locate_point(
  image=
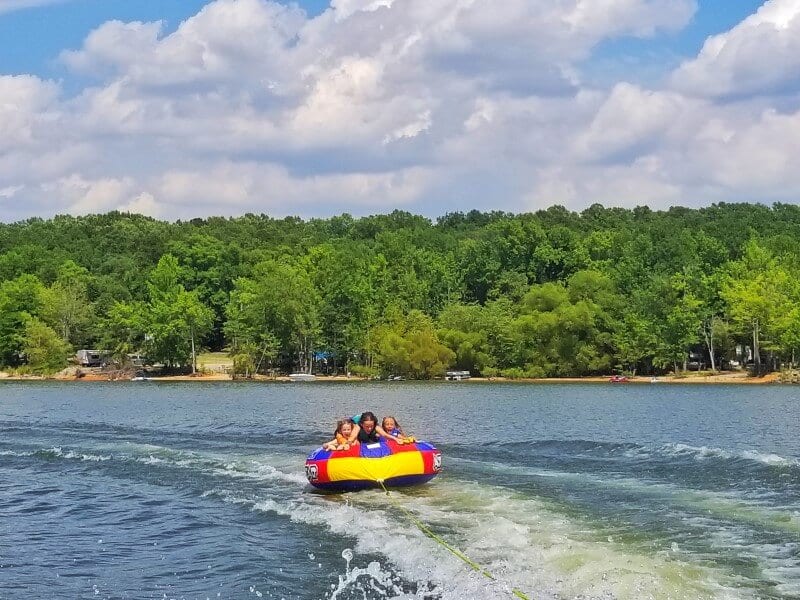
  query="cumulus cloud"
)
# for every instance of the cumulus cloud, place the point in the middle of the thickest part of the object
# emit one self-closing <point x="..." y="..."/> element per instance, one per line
<point x="253" y="106"/>
<point x="644" y="181"/>
<point x="632" y="119"/>
<point x="761" y="55"/>
<point x="83" y="196"/>
<point x="27" y="106"/>
<point x="115" y="46"/>
<point x="271" y="188"/>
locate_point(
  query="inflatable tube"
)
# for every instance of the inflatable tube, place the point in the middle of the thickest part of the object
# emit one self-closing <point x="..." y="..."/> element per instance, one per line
<point x="365" y="465"/>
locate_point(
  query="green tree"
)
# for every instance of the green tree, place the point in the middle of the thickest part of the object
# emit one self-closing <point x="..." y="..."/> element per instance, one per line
<point x="125" y="329"/>
<point x="166" y="327"/>
<point x="634" y="340"/>
<point x="45" y="352"/>
<point x="754" y="291"/>
<point x="278" y="303"/>
<point x="20" y="300"/>
<point x="680" y="325"/>
<point x="408" y="345"/>
<point x="175" y="318"/>
<point x="567" y="330"/>
<point x="463" y="329"/>
<point x="67" y="309"/>
<point x="208" y="266"/>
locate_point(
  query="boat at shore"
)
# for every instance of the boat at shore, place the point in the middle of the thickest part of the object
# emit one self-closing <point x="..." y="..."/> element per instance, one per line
<point x="302" y="377"/>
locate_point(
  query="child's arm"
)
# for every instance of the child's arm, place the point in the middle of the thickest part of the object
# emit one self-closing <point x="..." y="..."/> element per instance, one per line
<point x="383" y="433"/>
<point x="400" y="439"/>
<point x="406" y="439"/>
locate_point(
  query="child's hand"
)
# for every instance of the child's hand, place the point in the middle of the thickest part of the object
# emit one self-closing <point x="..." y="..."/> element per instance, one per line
<point x="346" y="446"/>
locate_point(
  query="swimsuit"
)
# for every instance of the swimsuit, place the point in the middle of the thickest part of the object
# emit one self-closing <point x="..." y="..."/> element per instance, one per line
<point x="368" y="438"/>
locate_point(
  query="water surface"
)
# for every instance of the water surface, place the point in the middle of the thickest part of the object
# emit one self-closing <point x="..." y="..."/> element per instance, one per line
<point x="197" y="490"/>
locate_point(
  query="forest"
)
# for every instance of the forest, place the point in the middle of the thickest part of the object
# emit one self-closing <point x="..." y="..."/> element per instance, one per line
<point x="545" y="294"/>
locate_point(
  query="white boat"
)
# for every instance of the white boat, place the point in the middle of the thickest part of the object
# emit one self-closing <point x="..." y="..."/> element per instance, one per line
<point x="457" y="375"/>
<point x="302" y="377"/>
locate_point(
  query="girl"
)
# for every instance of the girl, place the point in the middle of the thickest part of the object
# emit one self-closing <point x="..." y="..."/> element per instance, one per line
<point x="367" y="430"/>
<point x="344" y="428"/>
<point x="392" y="427"/>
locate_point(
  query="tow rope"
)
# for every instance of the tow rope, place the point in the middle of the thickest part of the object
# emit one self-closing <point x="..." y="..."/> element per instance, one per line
<point x="453" y="550"/>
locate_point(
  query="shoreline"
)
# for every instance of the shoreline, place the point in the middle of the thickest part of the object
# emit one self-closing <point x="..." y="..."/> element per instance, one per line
<point x="729" y="378"/>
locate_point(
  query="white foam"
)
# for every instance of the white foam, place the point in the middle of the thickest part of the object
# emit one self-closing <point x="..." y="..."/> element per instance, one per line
<point x="770" y="459"/>
<point x="57" y="452"/>
<point x="514" y="537"/>
<point x="262" y="468"/>
<point x="88" y="457"/>
<point x="704" y="452"/>
<point x="698" y="452"/>
<point x="13" y="453"/>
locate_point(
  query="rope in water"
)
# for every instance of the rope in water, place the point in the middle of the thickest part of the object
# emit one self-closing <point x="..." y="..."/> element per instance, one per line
<point x="455" y="551"/>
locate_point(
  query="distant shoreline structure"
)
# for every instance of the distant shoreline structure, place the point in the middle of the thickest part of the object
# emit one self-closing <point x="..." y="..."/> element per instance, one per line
<point x="734" y="378"/>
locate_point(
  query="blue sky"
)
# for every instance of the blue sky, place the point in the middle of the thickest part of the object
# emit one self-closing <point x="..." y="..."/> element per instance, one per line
<point x="31" y="38"/>
<point x="195" y="107"/>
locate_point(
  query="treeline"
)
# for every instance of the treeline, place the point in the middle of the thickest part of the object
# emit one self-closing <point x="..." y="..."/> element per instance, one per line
<point x="551" y="293"/>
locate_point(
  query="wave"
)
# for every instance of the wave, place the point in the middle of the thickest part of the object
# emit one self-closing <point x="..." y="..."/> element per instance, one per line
<point x="514" y="537"/>
<point x="529" y="544"/>
<point x="705" y="452"/>
<point x="616" y="450"/>
<point x="272" y="468"/>
<point x="57" y="452"/>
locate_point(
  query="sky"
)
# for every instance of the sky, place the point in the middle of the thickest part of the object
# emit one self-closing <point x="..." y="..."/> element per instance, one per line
<point x="190" y="108"/>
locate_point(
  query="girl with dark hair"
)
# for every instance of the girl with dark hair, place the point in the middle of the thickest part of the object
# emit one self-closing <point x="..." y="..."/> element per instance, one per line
<point x="367" y="430"/>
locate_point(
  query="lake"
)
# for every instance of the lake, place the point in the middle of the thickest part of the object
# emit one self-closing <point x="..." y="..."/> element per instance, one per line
<point x="197" y="490"/>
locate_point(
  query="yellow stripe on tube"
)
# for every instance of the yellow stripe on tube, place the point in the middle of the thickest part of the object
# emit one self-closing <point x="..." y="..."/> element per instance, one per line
<point x="375" y="469"/>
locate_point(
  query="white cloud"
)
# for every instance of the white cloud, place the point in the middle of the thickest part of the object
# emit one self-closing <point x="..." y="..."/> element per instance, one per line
<point x="114" y="45"/>
<point x="85" y="196"/>
<point x="603" y="18"/>
<point x="641" y="183"/>
<point x="27" y="107"/>
<point x="760" y="157"/>
<point x="761" y="55"/>
<point x="143" y="204"/>
<point x="250" y="187"/>
<point x="345" y="8"/>
<point x="631" y="118"/>
<point x="7" y="6"/>
<point x="10" y="191"/>
<point x="253" y="106"/>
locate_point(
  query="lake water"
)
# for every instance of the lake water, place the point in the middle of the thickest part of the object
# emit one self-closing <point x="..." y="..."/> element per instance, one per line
<point x="197" y="490"/>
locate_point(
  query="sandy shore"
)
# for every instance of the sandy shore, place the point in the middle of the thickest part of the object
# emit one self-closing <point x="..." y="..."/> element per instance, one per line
<point x="736" y="377"/>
